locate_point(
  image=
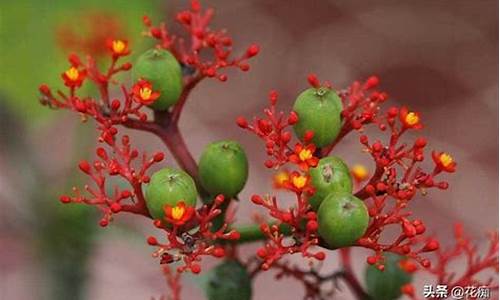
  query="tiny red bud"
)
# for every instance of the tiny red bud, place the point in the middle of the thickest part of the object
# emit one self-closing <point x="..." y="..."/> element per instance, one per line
<point x="195" y="268"/>
<point x="381" y="267"/>
<point x="273" y="97"/>
<point x="103" y="223"/>
<point x="219" y="199"/>
<point x="155" y="32"/>
<point x="115" y="104"/>
<point x="253" y="50"/>
<point x="84" y="166"/>
<point x="371" y="260"/>
<point x="393" y="112"/>
<point x="313" y="80"/>
<point x="65" y="199"/>
<point x="126" y="194"/>
<point x="152" y="241"/>
<point x="372" y="82"/>
<point x="126" y="66"/>
<point x="420" y="142"/>
<point x="257" y="199"/>
<point x="115" y="207"/>
<point x="234" y="235"/>
<point x="219" y="252"/>
<point x="159" y="156"/>
<point x="293" y="118"/>
<point x="262" y="253"/>
<point x="431" y="245"/>
<point x="408" y="289"/>
<point x="242" y="122"/>
<point x="44" y="89"/>
<point x="146" y="20"/>
<point x="312" y="226"/>
<point x="425" y="263"/>
<point x="269" y="163"/>
<point x="157" y="223"/>
<point x="286" y="137"/>
<point x="308" y="136"/>
<point x="363" y="139"/>
<point x="320" y="256"/>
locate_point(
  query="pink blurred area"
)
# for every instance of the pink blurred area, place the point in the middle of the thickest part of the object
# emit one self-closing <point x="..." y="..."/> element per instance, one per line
<point x="437" y="57"/>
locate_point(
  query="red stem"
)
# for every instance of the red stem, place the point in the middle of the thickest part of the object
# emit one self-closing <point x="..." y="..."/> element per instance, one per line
<point x="348" y="275"/>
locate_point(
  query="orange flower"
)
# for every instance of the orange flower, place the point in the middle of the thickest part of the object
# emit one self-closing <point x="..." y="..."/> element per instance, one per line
<point x="178" y="215"/>
<point x="410" y="119"/>
<point x="299" y="183"/>
<point x="359" y="173"/>
<point x="143" y="92"/>
<point x="118" y="47"/>
<point x="73" y="77"/>
<point x="444" y="161"/>
<point x="280" y="178"/>
<point x="304" y="156"/>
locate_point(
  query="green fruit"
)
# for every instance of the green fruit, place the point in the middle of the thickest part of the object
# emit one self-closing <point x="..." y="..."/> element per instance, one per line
<point x="318" y="110"/>
<point x="169" y="186"/>
<point x="229" y="281"/>
<point x="342" y="219"/>
<point x="386" y="285"/>
<point x="163" y="71"/>
<point x="223" y="168"/>
<point x="330" y="175"/>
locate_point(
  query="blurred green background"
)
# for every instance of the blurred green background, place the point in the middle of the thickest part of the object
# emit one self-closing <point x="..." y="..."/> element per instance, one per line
<point x="35" y="39"/>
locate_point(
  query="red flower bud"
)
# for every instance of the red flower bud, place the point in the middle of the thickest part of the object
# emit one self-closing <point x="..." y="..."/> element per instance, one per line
<point x="84" y="166"/>
<point x="103" y="223"/>
<point x="408" y="289"/>
<point x="371" y="260"/>
<point x="253" y="50"/>
<point x="195" y="268"/>
<point x="320" y="256"/>
<point x="152" y="241"/>
<point x="313" y="80"/>
<point x="65" y="199"/>
<point x="242" y="122"/>
<point x="372" y="82"/>
<point x="159" y="156"/>
<point x="219" y="252"/>
<point x="44" y="89"/>
<point x="312" y="226"/>
<point x="431" y="245"/>
<point x="115" y="207"/>
<point x="293" y="118"/>
<point x="262" y="253"/>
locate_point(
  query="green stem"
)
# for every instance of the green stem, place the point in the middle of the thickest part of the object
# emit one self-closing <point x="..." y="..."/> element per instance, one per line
<point x="252" y="233"/>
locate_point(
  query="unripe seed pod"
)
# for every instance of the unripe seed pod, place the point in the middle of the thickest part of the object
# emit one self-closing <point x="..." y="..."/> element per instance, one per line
<point x="386" y="284"/>
<point x="318" y="111"/>
<point x="223" y="168"/>
<point x="342" y="219"/>
<point x="163" y="71"/>
<point x="229" y="281"/>
<point x="168" y="187"/>
<point x="330" y="175"/>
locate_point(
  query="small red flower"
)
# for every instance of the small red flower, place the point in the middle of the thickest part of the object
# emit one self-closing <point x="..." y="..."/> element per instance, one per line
<point x="444" y="161"/>
<point x="410" y="119"/>
<point x="143" y="92"/>
<point x="118" y="47"/>
<point x="280" y="178"/>
<point x="73" y="77"/>
<point x="179" y="214"/>
<point x="304" y="156"/>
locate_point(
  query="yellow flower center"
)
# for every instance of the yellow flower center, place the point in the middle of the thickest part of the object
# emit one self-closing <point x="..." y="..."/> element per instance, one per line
<point x="359" y="172"/>
<point x="145" y="93"/>
<point x="281" y="177"/>
<point x="72" y="73"/>
<point x="305" y="154"/>
<point x="177" y="212"/>
<point x="446" y="159"/>
<point x="412" y="118"/>
<point x="118" y="46"/>
<point x="299" y="181"/>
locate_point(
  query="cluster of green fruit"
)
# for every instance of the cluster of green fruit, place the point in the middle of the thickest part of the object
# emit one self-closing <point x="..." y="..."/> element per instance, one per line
<point x="223" y="166"/>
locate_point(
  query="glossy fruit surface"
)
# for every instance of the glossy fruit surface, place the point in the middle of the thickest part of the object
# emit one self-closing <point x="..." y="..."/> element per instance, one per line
<point x="223" y="168"/>
<point x="169" y="186"/>
<point x="342" y="219"/>
<point x="318" y="110"/>
<point x="229" y="281"/>
<point x="386" y="285"/>
<point x="330" y="175"/>
<point x="160" y="68"/>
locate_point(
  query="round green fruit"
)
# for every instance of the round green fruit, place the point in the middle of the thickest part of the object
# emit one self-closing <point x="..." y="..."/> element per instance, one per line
<point x="163" y="71"/>
<point x="330" y="175"/>
<point x="169" y="186"/>
<point x="229" y="281"/>
<point x="318" y="110"/>
<point x="223" y="168"/>
<point x="386" y="284"/>
<point x="342" y="219"/>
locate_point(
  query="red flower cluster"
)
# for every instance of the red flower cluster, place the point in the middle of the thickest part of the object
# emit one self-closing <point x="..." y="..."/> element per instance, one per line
<point x="201" y="39"/>
<point x="189" y="245"/>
